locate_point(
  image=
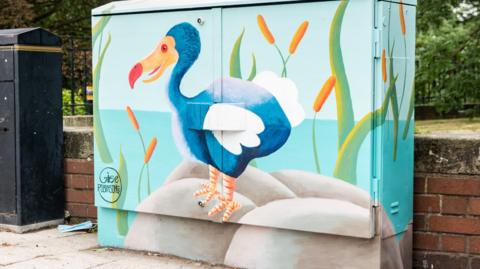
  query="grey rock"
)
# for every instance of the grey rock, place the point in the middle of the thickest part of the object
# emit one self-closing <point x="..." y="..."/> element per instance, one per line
<point x="406" y="247"/>
<point x="187" y="169"/>
<point x="397" y="253"/>
<point x="279" y="248"/>
<point x="189" y="238"/>
<point x="338" y="213"/>
<point x="258" y="186"/>
<point x="313" y="214"/>
<point x="391" y="254"/>
<point x="261" y="187"/>
<point x="176" y="199"/>
<point x="305" y="184"/>
<point x="265" y="248"/>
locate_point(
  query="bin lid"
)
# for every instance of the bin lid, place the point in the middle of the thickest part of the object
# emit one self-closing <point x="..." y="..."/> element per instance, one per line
<point x="138" y="6"/>
<point x="29" y="36"/>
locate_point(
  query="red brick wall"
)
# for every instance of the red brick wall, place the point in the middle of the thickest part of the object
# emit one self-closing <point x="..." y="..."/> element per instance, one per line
<point x="78" y="175"/>
<point x="446" y="221"/>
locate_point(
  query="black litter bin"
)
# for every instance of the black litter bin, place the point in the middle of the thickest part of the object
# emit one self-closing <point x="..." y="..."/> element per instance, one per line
<point x="31" y="135"/>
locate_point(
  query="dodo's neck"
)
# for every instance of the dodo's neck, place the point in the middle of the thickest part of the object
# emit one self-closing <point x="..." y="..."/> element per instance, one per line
<point x="178" y="100"/>
<point x="187" y="44"/>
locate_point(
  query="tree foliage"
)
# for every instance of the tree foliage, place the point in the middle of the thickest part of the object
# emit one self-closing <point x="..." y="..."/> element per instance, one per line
<point x="63" y="17"/>
<point x="448" y="48"/>
<point x="70" y="19"/>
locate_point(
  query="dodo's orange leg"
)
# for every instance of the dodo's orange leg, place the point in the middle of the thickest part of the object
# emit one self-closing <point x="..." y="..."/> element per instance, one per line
<point x="209" y="189"/>
<point x="226" y="202"/>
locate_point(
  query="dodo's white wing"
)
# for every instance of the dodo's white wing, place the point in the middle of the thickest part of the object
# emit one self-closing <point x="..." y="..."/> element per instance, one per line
<point x="234" y="126"/>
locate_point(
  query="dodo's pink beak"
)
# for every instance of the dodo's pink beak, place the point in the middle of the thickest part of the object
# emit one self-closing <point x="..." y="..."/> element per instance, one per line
<point x="156" y="63"/>
<point x="134" y="74"/>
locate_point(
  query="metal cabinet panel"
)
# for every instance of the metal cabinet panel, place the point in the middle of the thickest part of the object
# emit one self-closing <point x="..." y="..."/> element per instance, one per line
<point x="296" y="49"/>
<point x="252" y="105"/>
<point x="395" y="140"/>
<point x="158" y="95"/>
<point x="249" y="126"/>
<point x="6" y="64"/>
<point x="7" y="148"/>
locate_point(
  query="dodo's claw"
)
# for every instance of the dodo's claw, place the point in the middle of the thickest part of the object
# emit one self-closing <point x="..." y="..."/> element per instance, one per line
<point x="209" y="189"/>
<point x="226" y="202"/>
<point x="211" y="193"/>
<point x="228" y="206"/>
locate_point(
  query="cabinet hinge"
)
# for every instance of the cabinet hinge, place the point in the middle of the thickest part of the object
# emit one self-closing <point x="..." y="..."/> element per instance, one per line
<point x="377" y="41"/>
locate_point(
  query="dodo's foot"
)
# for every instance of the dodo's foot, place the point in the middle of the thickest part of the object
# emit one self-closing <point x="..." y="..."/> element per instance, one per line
<point x="209" y="189"/>
<point x="226" y="202"/>
<point x="228" y="206"/>
<point x="210" y="192"/>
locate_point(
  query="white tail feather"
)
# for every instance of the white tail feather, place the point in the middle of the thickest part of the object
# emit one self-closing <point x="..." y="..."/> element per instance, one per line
<point x="286" y="93"/>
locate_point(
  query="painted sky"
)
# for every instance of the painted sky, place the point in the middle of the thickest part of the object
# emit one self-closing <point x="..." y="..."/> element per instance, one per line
<point x="134" y="36"/>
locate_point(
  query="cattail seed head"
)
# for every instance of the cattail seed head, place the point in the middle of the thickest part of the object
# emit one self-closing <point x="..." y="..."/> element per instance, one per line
<point x="324" y="93"/>
<point x="402" y="18"/>
<point x="150" y="150"/>
<point x="132" y="118"/>
<point x="298" y="37"/>
<point x="264" y="29"/>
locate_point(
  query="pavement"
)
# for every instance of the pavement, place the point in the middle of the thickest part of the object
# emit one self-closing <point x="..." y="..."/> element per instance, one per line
<point x="52" y="249"/>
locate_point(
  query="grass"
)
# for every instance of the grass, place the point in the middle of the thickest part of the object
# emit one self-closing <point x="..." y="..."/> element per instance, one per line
<point x="447" y="126"/>
<point x="80" y="108"/>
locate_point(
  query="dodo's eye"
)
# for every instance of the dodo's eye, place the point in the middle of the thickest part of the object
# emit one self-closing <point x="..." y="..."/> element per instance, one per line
<point x="164" y="48"/>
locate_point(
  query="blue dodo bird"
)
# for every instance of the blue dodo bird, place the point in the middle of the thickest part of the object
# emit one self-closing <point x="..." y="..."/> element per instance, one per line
<point x="248" y="120"/>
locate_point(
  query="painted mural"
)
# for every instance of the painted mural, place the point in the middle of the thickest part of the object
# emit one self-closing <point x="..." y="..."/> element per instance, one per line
<point x="293" y="140"/>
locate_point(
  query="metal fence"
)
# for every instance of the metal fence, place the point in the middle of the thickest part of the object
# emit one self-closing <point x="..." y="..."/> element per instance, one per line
<point x="433" y="97"/>
<point x="77" y="74"/>
<point x="447" y="84"/>
<point x="431" y="94"/>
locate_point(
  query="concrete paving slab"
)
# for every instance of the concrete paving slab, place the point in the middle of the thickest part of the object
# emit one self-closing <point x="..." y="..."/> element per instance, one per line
<point x="62" y="260"/>
<point x="15" y="248"/>
<point x="52" y="249"/>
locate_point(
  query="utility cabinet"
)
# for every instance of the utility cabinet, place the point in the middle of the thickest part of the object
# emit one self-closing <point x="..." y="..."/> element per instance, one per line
<point x="257" y="125"/>
<point x="31" y="135"/>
